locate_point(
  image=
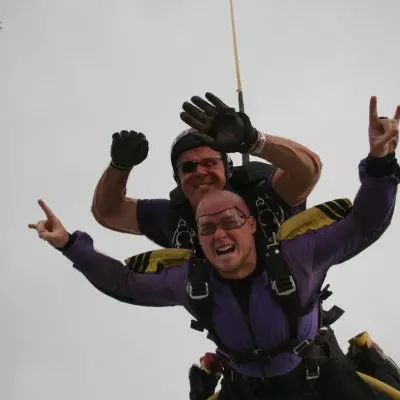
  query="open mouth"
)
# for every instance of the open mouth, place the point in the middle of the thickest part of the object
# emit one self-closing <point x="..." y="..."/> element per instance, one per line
<point x="203" y="186"/>
<point x="229" y="248"/>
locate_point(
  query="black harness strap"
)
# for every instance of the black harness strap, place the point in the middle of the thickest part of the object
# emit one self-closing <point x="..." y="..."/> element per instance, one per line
<point x="200" y="298"/>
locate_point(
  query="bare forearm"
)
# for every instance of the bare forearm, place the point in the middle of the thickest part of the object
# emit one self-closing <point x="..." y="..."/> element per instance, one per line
<point x="299" y="168"/>
<point x="111" y="207"/>
<point x="110" y="191"/>
<point x="292" y="157"/>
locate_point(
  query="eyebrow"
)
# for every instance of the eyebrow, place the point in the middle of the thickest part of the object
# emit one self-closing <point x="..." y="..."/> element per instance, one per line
<point x="220" y="212"/>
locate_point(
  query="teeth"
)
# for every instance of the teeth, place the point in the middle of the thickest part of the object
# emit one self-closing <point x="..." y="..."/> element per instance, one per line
<point x="225" y="249"/>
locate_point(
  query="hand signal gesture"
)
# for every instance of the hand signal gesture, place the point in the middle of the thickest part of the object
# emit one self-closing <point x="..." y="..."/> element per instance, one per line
<point x="51" y="229"/>
<point x="383" y="132"/>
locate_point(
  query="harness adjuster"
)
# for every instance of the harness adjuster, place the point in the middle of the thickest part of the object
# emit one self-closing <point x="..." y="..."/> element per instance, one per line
<point x="301" y="346"/>
<point x="197" y="293"/>
<point x="284" y="286"/>
<point x="310" y="375"/>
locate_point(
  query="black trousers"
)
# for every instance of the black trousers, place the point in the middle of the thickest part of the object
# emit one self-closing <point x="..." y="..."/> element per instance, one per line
<point x="337" y="381"/>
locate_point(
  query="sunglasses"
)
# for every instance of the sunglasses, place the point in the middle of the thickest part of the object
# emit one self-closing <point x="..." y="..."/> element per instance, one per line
<point x="232" y="218"/>
<point x="188" y="167"/>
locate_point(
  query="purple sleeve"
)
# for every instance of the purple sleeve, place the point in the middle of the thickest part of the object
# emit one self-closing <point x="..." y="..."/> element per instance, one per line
<point x="154" y="218"/>
<point x="371" y="212"/>
<point x="113" y="278"/>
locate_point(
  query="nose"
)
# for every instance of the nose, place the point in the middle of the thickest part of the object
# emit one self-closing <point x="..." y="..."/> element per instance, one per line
<point x="200" y="170"/>
<point x="219" y="233"/>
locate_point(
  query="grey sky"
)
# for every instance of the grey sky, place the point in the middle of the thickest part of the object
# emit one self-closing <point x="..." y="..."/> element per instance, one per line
<point x="73" y="72"/>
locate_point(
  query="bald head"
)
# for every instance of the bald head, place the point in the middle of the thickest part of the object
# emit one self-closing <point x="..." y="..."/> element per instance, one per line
<point x="218" y="201"/>
<point x="221" y="225"/>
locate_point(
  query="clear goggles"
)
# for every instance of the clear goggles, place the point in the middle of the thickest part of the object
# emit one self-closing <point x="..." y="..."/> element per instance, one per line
<point x="231" y="218"/>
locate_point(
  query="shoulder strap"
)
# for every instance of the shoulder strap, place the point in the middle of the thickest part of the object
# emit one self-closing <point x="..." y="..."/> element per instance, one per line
<point x="284" y="289"/>
<point x="252" y="173"/>
<point x="270" y="214"/>
<point x="157" y="260"/>
<point x="314" y="218"/>
<point x="200" y="298"/>
<point x="281" y="280"/>
<point x="177" y="197"/>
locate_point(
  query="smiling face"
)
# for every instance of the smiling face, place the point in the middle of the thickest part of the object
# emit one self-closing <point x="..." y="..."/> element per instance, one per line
<point x="226" y="233"/>
<point x="208" y="175"/>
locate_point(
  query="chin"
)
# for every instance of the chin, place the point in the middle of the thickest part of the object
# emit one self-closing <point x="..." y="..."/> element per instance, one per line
<point x="198" y="194"/>
<point x="226" y="267"/>
<point x="207" y="189"/>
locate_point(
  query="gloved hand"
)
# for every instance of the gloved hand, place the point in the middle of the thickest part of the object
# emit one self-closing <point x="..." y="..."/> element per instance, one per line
<point x="202" y="384"/>
<point x="128" y="149"/>
<point x="229" y="131"/>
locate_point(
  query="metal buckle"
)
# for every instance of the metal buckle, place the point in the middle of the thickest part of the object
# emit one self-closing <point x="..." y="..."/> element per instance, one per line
<point x="189" y="291"/>
<point x="286" y="286"/>
<point x="301" y="346"/>
<point x="273" y="246"/>
<point x="312" y="375"/>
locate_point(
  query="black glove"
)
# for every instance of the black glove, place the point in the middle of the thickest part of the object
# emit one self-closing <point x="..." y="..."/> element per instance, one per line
<point x="202" y="385"/>
<point x="229" y="131"/>
<point x="128" y="149"/>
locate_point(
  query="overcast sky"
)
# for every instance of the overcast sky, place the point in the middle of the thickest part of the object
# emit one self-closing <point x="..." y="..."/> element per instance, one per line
<point x="73" y="72"/>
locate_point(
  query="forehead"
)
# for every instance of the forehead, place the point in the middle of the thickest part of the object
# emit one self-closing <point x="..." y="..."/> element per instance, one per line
<point x="198" y="153"/>
<point x="224" y="213"/>
<point x="215" y="205"/>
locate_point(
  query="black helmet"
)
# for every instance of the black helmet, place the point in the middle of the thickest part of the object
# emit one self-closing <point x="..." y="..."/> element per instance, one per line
<point x="190" y="139"/>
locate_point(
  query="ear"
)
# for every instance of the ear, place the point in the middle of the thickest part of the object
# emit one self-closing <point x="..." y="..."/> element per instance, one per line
<point x="176" y="176"/>
<point x="252" y="224"/>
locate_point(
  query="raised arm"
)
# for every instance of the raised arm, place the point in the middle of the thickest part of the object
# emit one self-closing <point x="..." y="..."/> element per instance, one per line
<point x="109" y="275"/>
<point x="231" y="131"/>
<point x="299" y="168"/>
<point x="110" y="206"/>
<point x="375" y="201"/>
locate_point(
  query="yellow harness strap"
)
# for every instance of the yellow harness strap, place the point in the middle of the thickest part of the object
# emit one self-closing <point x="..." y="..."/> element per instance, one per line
<point x="157" y="260"/>
<point x="314" y="218"/>
<point x="380" y="386"/>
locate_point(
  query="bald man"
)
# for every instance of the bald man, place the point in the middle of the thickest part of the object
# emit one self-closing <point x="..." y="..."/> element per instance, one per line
<point x="245" y="315"/>
<point x="233" y="291"/>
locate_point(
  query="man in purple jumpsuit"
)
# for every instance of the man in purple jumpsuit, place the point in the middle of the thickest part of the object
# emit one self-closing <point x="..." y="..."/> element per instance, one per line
<point x="245" y="315"/>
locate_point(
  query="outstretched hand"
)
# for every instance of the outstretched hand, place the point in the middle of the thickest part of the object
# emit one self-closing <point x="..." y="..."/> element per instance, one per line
<point x="51" y="229"/>
<point x="225" y="129"/>
<point x="383" y="132"/>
